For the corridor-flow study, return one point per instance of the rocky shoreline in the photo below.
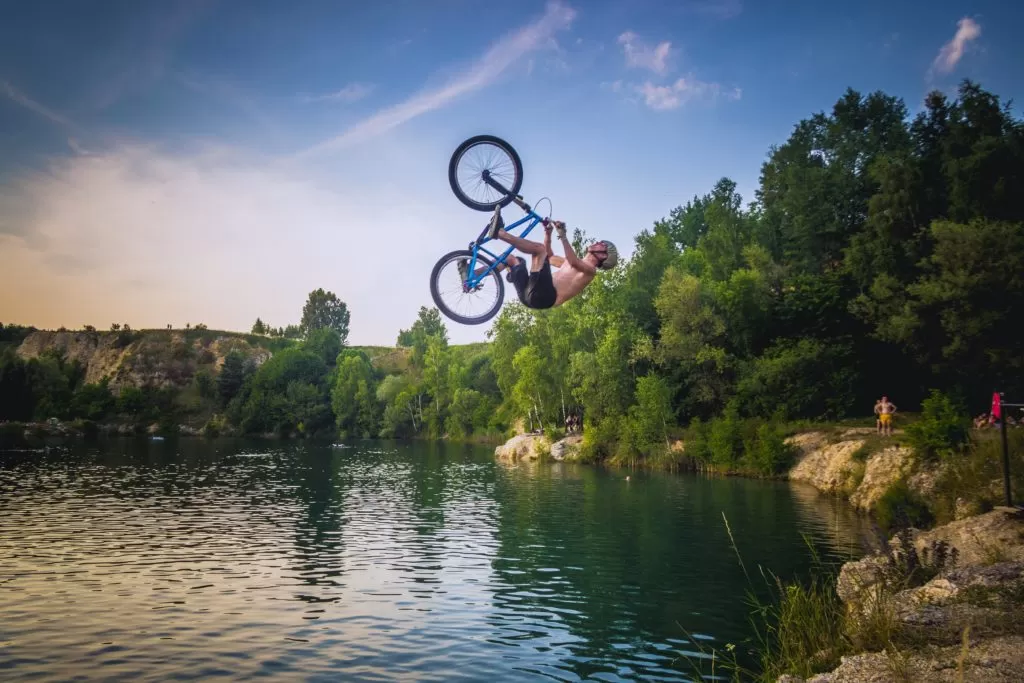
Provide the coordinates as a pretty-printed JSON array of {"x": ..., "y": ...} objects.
[{"x": 950, "y": 600}]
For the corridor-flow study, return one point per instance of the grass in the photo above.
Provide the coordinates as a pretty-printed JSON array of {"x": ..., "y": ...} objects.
[
  {"x": 804, "y": 628},
  {"x": 976, "y": 476}
]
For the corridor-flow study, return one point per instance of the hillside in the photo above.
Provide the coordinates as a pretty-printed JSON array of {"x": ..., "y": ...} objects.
[
  {"x": 170, "y": 358},
  {"x": 196, "y": 380}
]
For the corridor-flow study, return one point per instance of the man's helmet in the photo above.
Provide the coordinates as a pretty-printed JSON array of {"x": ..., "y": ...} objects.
[{"x": 613, "y": 255}]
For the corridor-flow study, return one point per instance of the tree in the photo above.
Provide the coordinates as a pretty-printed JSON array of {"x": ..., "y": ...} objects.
[
  {"x": 324, "y": 309},
  {"x": 232, "y": 375},
  {"x": 325, "y": 343},
  {"x": 428, "y": 325},
  {"x": 258, "y": 327}
]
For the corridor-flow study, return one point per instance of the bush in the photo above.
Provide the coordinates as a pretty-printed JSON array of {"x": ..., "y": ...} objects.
[
  {"x": 900, "y": 508},
  {"x": 696, "y": 441},
  {"x": 772, "y": 455},
  {"x": 942, "y": 430},
  {"x": 976, "y": 478},
  {"x": 725, "y": 441}
]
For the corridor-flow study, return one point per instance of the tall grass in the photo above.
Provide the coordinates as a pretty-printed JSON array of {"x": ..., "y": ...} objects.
[{"x": 803, "y": 628}]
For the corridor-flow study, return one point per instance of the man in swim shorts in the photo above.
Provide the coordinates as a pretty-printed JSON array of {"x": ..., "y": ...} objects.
[
  {"x": 884, "y": 410},
  {"x": 536, "y": 285}
]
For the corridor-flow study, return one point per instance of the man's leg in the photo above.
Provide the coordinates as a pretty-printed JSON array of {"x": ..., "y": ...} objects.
[
  {"x": 535, "y": 249},
  {"x": 511, "y": 262}
]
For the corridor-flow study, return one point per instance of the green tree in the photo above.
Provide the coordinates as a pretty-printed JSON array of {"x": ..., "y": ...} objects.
[
  {"x": 259, "y": 327},
  {"x": 324, "y": 342},
  {"x": 325, "y": 310},
  {"x": 232, "y": 375}
]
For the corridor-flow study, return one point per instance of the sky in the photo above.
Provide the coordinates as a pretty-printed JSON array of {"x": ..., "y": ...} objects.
[{"x": 214, "y": 161}]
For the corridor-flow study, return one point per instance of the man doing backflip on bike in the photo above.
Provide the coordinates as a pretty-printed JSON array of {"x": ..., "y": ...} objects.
[{"x": 538, "y": 287}]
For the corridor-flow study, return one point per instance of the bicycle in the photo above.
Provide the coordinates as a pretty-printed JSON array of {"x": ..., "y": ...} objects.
[{"x": 501, "y": 159}]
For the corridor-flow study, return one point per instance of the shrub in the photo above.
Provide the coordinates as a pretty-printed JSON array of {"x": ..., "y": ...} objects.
[
  {"x": 900, "y": 508},
  {"x": 773, "y": 454},
  {"x": 942, "y": 430}
]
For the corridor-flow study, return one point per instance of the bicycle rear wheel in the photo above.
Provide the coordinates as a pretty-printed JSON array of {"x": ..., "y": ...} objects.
[
  {"x": 450, "y": 295},
  {"x": 484, "y": 153}
]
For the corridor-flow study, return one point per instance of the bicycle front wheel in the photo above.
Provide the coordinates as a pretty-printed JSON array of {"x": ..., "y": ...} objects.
[
  {"x": 455, "y": 300},
  {"x": 466, "y": 172}
]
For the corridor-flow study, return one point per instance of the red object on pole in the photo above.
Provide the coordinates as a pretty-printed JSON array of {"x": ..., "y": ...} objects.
[{"x": 996, "y": 411}]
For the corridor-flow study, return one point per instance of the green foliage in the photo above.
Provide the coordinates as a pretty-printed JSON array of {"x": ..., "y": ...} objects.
[
  {"x": 324, "y": 342},
  {"x": 881, "y": 253},
  {"x": 974, "y": 479},
  {"x": 232, "y": 375},
  {"x": 900, "y": 508},
  {"x": 943, "y": 428},
  {"x": 325, "y": 310}
]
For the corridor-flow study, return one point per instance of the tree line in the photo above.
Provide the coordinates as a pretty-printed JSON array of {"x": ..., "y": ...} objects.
[{"x": 882, "y": 253}]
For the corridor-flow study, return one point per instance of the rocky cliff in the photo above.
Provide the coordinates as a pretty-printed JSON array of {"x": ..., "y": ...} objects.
[{"x": 143, "y": 358}]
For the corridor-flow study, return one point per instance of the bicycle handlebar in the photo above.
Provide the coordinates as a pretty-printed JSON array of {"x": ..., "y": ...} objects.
[{"x": 504, "y": 190}]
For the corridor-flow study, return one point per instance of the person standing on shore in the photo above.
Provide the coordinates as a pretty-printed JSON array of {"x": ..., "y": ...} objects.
[{"x": 884, "y": 410}]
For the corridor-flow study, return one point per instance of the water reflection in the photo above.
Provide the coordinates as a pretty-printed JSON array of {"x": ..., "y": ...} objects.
[{"x": 380, "y": 561}]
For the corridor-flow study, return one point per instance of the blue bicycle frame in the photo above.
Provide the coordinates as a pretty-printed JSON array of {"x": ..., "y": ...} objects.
[{"x": 472, "y": 280}]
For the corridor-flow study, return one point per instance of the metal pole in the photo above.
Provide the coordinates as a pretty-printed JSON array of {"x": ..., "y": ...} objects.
[{"x": 1006, "y": 458}]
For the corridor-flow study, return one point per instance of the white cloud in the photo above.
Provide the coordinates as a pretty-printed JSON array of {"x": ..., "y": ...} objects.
[
  {"x": 952, "y": 52},
  {"x": 640, "y": 55},
  {"x": 674, "y": 95},
  {"x": 27, "y": 102},
  {"x": 353, "y": 92},
  {"x": 485, "y": 71},
  {"x": 135, "y": 234}
]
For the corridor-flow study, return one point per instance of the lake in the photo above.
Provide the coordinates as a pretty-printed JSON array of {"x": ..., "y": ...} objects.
[{"x": 129, "y": 559}]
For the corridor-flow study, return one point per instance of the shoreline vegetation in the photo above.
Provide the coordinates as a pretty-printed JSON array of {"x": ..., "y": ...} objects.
[{"x": 882, "y": 254}]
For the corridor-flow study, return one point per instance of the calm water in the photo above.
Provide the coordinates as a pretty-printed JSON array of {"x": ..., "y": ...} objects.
[{"x": 135, "y": 560}]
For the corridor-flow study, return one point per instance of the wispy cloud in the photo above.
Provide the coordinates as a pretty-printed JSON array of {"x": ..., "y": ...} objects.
[
  {"x": 230, "y": 94},
  {"x": 143, "y": 57},
  {"x": 353, "y": 92},
  {"x": 24, "y": 100},
  {"x": 953, "y": 51},
  {"x": 482, "y": 73},
  {"x": 674, "y": 95},
  {"x": 640, "y": 55}
]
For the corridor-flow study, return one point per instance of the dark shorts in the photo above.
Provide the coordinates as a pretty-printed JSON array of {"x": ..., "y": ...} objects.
[{"x": 536, "y": 290}]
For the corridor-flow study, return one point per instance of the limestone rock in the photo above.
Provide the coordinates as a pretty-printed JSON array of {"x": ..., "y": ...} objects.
[
  {"x": 994, "y": 660},
  {"x": 858, "y": 579},
  {"x": 996, "y": 536},
  {"x": 521, "y": 447},
  {"x": 829, "y": 468},
  {"x": 883, "y": 469},
  {"x": 567, "y": 448}
]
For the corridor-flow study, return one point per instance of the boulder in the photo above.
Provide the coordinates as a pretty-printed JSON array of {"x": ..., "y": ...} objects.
[
  {"x": 567, "y": 448},
  {"x": 829, "y": 468},
  {"x": 522, "y": 447},
  {"x": 996, "y": 536},
  {"x": 883, "y": 469}
]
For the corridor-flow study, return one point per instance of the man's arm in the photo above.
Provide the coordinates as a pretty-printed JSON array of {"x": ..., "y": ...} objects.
[
  {"x": 570, "y": 255},
  {"x": 553, "y": 258}
]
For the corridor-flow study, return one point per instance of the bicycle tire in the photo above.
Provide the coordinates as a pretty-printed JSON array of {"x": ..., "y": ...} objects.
[
  {"x": 461, "y": 193},
  {"x": 443, "y": 306}
]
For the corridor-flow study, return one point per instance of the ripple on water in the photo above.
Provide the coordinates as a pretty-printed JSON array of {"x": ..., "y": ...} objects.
[{"x": 225, "y": 561}]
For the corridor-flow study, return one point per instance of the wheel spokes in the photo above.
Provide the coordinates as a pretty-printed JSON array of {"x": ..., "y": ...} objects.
[
  {"x": 482, "y": 157},
  {"x": 472, "y": 304}
]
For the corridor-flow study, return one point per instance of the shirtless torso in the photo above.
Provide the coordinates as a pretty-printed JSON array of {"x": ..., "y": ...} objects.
[
  {"x": 569, "y": 281},
  {"x": 549, "y": 280}
]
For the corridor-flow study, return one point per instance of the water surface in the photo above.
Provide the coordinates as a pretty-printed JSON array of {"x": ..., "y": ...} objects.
[{"x": 189, "y": 559}]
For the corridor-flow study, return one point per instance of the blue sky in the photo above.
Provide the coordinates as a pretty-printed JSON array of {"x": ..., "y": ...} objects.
[{"x": 214, "y": 161}]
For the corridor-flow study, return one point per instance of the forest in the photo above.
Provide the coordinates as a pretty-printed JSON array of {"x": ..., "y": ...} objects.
[{"x": 882, "y": 253}]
